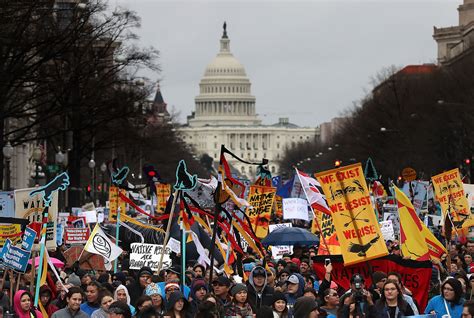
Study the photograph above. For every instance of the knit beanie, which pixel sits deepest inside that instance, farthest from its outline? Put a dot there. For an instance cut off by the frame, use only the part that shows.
(378, 276)
(278, 296)
(237, 288)
(74, 280)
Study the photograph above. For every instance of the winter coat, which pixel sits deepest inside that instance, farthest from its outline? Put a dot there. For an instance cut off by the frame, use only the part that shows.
(262, 298)
(33, 313)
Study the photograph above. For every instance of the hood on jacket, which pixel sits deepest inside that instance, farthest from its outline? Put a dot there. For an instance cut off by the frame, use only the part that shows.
(197, 284)
(17, 304)
(46, 289)
(174, 297)
(304, 306)
(301, 284)
(126, 292)
(258, 268)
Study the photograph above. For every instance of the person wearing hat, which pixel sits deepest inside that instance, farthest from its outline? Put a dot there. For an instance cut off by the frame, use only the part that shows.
(137, 288)
(157, 301)
(357, 294)
(280, 310)
(306, 307)
(378, 279)
(177, 306)
(121, 294)
(239, 306)
(260, 294)
(173, 275)
(281, 264)
(199, 291)
(294, 289)
(221, 288)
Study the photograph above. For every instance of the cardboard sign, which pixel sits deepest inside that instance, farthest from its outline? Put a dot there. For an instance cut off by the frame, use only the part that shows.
(280, 250)
(10, 231)
(142, 254)
(386, 227)
(14, 257)
(7, 204)
(174, 245)
(28, 239)
(354, 217)
(163, 192)
(32, 208)
(75, 236)
(295, 208)
(328, 242)
(89, 216)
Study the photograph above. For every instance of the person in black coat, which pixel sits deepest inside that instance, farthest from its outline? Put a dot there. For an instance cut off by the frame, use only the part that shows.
(259, 293)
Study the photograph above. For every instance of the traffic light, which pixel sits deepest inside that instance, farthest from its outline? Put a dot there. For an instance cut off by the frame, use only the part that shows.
(337, 163)
(467, 161)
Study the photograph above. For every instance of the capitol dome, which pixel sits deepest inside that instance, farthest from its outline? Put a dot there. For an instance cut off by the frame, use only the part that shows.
(224, 92)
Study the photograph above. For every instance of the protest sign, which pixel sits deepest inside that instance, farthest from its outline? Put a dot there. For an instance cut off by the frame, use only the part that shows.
(278, 209)
(115, 202)
(449, 192)
(142, 254)
(386, 227)
(74, 236)
(416, 275)
(10, 231)
(163, 192)
(417, 192)
(280, 250)
(32, 208)
(7, 207)
(174, 245)
(261, 200)
(469, 192)
(14, 257)
(354, 217)
(329, 244)
(295, 208)
(89, 216)
(28, 239)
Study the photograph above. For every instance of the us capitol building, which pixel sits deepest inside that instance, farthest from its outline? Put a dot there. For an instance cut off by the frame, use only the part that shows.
(225, 114)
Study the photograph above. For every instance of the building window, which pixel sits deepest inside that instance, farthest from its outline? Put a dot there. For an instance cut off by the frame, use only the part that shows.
(215, 145)
(215, 156)
(278, 156)
(242, 169)
(255, 155)
(278, 145)
(273, 169)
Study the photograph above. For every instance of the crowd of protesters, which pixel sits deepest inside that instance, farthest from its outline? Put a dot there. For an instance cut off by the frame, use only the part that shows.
(285, 288)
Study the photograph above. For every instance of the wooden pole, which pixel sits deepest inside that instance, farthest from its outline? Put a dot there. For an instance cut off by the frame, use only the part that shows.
(167, 234)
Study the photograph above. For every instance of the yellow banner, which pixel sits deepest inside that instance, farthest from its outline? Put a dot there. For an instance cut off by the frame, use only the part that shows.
(328, 243)
(261, 202)
(114, 201)
(354, 218)
(7, 230)
(449, 192)
(163, 192)
(278, 207)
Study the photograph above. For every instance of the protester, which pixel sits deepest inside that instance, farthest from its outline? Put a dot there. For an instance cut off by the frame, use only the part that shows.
(143, 302)
(23, 305)
(391, 302)
(46, 297)
(199, 291)
(259, 293)
(294, 290)
(73, 308)
(330, 302)
(119, 310)
(208, 308)
(92, 298)
(450, 302)
(306, 307)
(357, 301)
(279, 305)
(121, 294)
(137, 288)
(239, 306)
(221, 287)
(397, 278)
(105, 300)
(177, 306)
(468, 309)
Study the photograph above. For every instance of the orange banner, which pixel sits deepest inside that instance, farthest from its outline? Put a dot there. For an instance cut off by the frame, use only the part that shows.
(163, 192)
(115, 202)
(354, 218)
(261, 203)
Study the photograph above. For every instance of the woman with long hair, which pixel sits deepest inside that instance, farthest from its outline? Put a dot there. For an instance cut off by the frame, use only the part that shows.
(330, 301)
(23, 305)
(391, 303)
(280, 310)
(105, 300)
(450, 302)
(177, 306)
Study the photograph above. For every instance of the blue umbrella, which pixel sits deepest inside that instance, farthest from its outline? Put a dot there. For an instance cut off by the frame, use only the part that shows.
(290, 236)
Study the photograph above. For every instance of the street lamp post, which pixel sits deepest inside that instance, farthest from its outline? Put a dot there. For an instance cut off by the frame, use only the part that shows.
(92, 166)
(103, 169)
(37, 153)
(59, 160)
(7, 154)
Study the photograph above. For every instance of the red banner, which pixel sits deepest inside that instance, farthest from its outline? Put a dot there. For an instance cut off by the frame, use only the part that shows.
(416, 275)
(76, 235)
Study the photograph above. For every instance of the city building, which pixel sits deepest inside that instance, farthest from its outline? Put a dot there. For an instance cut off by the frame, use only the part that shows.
(225, 113)
(455, 41)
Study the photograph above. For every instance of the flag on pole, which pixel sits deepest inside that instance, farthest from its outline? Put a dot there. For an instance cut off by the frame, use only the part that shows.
(412, 240)
(98, 243)
(314, 196)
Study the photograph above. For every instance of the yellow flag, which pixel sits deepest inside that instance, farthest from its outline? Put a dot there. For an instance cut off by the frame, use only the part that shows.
(354, 218)
(261, 202)
(115, 202)
(163, 192)
(412, 240)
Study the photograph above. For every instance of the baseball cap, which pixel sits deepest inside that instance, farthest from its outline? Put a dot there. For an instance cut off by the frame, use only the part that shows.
(293, 279)
(259, 271)
(221, 280)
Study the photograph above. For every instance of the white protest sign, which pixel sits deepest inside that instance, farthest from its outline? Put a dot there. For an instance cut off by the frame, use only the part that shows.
(469, 192)
(142, 254)
(279, 251)
(386, 227)
(175, 245)
(90, 216)
(295, 208)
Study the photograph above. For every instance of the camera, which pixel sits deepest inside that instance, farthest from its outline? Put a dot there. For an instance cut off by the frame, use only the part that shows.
(358, 282)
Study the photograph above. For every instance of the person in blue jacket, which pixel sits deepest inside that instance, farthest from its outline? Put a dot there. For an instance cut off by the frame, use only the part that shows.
(294, 289)
(450, 302)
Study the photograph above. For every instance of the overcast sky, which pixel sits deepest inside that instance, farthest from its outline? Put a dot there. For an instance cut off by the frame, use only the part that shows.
(307, 60)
